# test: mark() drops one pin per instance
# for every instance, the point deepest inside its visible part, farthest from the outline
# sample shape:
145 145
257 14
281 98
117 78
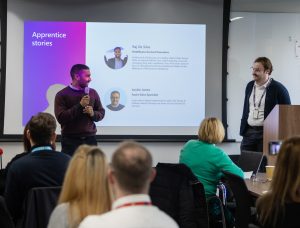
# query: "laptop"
250 161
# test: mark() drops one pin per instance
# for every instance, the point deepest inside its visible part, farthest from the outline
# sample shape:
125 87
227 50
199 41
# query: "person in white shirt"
130 176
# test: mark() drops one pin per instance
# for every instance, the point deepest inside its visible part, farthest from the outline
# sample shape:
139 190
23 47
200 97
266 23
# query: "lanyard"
135 204
41 148
254 89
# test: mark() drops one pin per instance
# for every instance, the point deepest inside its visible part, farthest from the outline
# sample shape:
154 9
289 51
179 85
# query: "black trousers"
253 140
70 144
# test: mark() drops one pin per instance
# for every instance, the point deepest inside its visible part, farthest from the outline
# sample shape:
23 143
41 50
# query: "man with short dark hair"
261 96
76 108
117 62
115 101
130 176
42 167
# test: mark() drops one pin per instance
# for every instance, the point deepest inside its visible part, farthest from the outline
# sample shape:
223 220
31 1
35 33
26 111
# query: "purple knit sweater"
69 112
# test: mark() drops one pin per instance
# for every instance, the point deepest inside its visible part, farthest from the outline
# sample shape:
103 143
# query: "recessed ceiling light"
236 18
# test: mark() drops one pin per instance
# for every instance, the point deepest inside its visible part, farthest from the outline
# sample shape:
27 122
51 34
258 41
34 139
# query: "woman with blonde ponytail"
85 190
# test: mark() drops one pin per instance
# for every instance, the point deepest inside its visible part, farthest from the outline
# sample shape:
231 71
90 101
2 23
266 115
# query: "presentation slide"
146 74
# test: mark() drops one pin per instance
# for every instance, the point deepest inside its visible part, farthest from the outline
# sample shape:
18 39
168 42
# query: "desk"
257 188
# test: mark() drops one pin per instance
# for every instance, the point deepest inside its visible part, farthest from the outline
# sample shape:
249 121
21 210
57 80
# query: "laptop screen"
250 161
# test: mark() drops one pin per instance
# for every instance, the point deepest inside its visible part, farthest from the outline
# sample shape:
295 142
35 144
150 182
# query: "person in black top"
3 172
42 167
280 206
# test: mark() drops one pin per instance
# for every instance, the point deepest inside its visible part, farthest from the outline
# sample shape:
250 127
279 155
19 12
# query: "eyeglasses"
256 70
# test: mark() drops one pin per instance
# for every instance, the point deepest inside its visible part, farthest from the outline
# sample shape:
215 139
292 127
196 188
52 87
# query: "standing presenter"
261 96
77 107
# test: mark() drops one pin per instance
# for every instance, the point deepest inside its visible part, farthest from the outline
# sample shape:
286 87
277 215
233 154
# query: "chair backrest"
5 217
235 158
177 192
244 201
39 204
250 161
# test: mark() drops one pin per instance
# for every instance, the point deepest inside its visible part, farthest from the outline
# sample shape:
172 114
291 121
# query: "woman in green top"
205 159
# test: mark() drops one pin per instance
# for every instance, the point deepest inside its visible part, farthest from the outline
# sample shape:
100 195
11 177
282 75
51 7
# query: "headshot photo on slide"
116 100
116 58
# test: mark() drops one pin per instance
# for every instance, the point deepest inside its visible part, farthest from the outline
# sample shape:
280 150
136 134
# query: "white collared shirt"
131 199
136 216
73 87
259 90
118 63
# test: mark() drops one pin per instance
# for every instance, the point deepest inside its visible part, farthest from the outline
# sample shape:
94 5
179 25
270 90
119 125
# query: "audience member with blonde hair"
280 207
205 159
85 190
129 176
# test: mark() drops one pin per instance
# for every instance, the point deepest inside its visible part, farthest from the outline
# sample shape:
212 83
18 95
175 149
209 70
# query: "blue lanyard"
42 148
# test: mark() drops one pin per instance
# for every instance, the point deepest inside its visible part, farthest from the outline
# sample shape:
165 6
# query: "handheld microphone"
87 90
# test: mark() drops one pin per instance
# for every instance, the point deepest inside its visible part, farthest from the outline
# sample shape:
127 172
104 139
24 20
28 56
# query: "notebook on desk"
248 175
250 161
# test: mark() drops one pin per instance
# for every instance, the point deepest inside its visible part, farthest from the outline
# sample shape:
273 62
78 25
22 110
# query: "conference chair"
235 158
39 205
177 192
245 213
6 220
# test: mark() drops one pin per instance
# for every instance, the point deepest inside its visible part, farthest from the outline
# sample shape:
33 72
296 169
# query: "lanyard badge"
255 113
256 107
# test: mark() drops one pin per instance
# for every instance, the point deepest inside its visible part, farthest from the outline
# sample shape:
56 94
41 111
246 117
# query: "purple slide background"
45 66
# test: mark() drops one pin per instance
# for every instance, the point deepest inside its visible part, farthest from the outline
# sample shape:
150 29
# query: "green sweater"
207 161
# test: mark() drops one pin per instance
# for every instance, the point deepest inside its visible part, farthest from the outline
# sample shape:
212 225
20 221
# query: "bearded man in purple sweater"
76 108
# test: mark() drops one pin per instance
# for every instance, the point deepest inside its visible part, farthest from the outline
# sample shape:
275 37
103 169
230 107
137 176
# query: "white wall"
274 35
161 152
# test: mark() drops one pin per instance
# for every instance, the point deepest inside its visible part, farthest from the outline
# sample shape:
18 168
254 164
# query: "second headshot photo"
115 101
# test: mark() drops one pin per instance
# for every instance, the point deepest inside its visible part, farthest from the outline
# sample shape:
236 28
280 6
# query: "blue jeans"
70 144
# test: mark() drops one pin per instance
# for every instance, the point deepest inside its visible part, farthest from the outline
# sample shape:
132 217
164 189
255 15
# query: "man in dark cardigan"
261 96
